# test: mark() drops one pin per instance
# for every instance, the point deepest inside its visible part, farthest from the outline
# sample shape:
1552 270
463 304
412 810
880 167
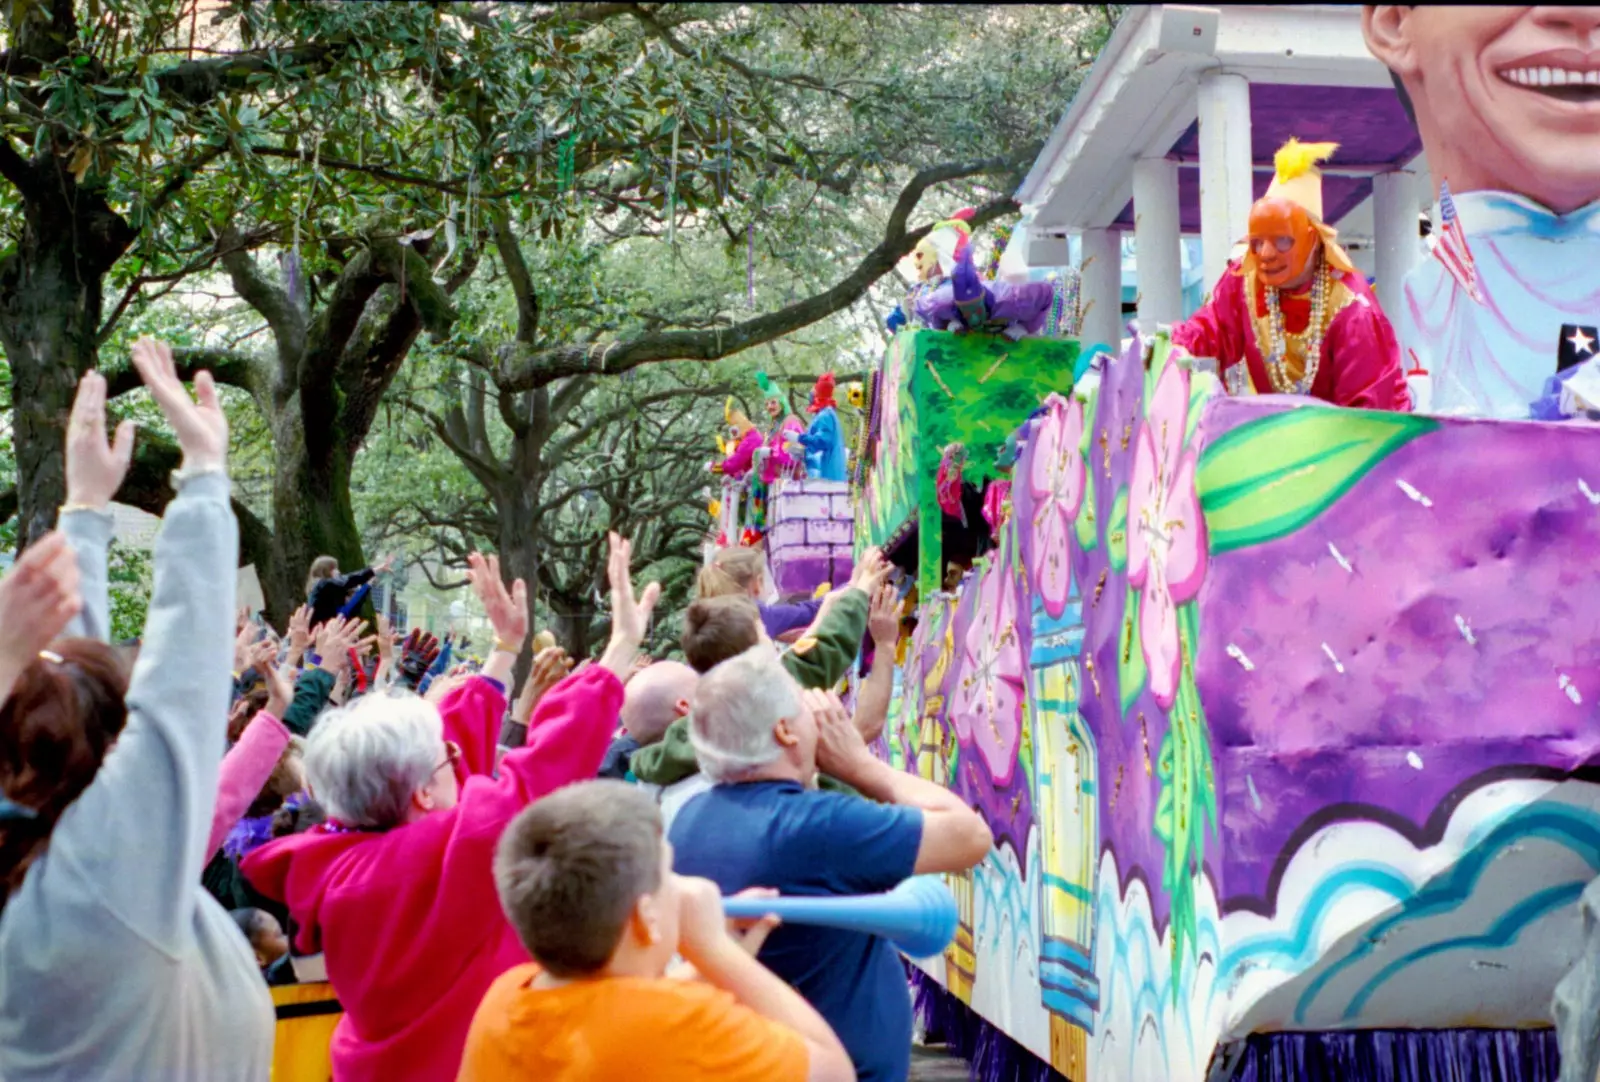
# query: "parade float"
1282 714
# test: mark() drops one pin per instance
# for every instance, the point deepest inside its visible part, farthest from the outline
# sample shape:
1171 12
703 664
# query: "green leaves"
1271 476
1131 669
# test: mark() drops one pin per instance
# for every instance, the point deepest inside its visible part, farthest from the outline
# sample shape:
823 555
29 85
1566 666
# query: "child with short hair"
585 877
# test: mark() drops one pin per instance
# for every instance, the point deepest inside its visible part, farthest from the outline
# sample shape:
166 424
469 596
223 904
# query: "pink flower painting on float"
987 706
1166 531
1056 482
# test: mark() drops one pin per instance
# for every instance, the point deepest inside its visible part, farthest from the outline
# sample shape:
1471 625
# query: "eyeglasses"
452 756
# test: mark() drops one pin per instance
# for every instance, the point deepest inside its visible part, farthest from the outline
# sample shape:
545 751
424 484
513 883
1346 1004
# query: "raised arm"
95 469
872 703
136 837
954 837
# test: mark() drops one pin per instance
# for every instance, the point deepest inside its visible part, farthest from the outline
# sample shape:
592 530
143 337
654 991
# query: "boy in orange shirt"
585 877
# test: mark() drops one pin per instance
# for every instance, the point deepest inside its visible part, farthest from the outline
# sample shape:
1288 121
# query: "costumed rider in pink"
786 429
1291 314
397 888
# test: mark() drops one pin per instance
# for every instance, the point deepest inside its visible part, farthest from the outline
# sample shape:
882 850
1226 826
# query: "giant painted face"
1283 241
925 258
1506 98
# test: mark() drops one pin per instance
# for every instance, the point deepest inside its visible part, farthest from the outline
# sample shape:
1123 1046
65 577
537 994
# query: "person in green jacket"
719 628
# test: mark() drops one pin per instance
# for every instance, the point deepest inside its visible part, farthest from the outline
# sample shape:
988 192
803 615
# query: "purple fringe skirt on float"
993 1056
1407 1055
1451 1055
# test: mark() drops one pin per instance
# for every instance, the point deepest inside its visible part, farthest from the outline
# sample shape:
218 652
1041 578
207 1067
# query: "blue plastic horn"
919 916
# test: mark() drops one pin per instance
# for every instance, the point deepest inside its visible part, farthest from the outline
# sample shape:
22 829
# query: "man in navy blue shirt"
762 739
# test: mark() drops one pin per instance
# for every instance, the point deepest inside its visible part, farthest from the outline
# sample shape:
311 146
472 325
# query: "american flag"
1449 244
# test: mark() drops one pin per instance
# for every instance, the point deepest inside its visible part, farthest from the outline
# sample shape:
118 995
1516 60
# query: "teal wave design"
1294 950
1140 942
1575 828
1502 933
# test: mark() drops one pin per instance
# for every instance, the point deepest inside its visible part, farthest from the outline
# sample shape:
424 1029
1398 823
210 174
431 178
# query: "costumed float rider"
1291 314
823 441
745 440
786 430
932 260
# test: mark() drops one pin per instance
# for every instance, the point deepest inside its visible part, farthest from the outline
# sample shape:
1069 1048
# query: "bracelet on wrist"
91 508
503 647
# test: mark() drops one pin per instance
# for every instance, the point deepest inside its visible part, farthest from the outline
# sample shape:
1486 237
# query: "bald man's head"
656 698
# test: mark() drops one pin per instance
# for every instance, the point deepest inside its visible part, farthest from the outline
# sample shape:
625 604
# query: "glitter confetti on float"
1571 689
1588 493
1238 655
1466 630
1338 666
1339 557
1410 490
1413 760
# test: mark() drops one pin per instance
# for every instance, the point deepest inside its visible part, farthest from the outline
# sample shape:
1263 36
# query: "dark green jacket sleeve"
822 666
311 693
838 643
669 760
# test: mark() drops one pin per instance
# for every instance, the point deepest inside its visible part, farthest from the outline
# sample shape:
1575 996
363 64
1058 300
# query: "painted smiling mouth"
1562 84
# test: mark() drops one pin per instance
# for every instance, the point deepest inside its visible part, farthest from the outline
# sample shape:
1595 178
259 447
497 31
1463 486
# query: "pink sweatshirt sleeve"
245 769
567 737
472 713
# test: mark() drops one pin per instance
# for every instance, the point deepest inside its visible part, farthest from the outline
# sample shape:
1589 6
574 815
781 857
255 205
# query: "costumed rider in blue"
823 442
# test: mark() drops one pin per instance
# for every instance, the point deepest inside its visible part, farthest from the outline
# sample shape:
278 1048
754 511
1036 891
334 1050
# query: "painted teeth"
1551 77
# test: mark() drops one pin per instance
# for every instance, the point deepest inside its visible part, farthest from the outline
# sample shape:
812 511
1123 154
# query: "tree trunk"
312 515
519 547
49 319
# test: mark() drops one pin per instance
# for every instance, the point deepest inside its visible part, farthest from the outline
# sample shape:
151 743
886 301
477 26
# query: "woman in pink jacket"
397 889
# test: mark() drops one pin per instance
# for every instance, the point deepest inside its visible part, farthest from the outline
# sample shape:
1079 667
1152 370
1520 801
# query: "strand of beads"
1312 338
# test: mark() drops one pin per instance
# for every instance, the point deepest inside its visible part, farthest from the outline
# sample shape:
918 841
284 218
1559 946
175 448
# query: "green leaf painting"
1187 805
1269 477
1131 670
1087 525
1117 531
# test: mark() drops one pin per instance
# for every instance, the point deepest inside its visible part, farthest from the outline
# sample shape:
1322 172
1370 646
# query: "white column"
1394 234
1156 242
1226 168
1100 288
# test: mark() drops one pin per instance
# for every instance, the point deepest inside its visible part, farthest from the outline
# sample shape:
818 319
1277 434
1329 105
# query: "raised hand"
417 655
870 571
95 467
630 615
507 609
386 639
299 633
280 691
335 638
840 747
199 422
244 642
37 599
550 667
883 619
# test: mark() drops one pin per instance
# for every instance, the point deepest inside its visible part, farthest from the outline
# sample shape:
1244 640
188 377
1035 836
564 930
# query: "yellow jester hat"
1296 179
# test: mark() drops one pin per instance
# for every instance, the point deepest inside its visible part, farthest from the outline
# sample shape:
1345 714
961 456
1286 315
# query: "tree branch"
14 167
516 266
552 363
286 318
226 366
200 81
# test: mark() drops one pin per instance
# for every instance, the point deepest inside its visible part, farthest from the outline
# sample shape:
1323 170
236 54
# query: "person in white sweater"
114 963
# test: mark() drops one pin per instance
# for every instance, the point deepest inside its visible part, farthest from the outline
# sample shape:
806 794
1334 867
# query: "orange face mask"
1283 241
